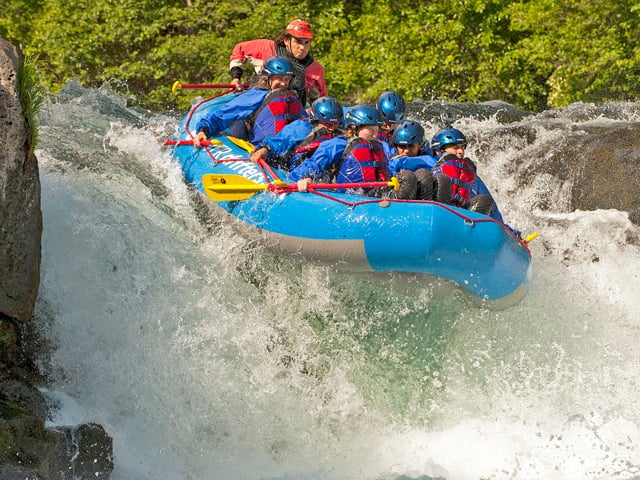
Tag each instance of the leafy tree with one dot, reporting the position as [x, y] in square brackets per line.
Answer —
[533, 54]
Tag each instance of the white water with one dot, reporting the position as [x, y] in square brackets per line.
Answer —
[206, 357]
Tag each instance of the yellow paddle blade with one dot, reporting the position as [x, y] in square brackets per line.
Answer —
[248, 146]
[228, 187]
[531, 237]
[176, 86]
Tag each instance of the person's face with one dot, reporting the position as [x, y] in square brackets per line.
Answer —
[457, 150]
[279, 82]
[389, 127]
[331, 126]
[368, 132]
[299, 47]
[409, 150]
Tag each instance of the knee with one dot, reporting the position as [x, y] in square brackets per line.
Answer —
[408, 184]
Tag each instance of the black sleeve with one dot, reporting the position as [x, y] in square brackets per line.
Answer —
[236, 72]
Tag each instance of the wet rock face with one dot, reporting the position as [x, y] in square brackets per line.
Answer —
[607, 172]
[592, 166]
[93, 457]
[67, 453]
[21, 219]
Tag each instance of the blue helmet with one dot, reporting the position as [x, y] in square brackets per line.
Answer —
[363, 115]
[408, 132]
[450, 136]
[277, 66]
[391, 106]
[327, 109]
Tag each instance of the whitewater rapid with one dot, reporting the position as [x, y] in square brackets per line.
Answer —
[206, 356]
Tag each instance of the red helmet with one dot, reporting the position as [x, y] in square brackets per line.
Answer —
[299, 28]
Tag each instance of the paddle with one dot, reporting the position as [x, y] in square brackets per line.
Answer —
[178, 85]
[190, 142]
[228, 187]
[248, 146]
[238, 141]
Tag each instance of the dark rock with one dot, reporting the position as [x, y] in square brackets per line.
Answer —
[21, 221]
[94, 452]
[13, 472]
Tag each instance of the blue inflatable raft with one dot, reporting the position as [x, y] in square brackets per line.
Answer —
[475, 251]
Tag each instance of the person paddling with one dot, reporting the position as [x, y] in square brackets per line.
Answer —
[357, 157]
[300, 139]
[412, 163]
[449, 146]
[260, 111]
[294, 44]
[393, 110]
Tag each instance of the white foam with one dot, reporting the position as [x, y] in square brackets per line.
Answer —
[64, 410]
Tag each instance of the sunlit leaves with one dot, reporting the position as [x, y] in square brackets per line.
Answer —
[534, 55]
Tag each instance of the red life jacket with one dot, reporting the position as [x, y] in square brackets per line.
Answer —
[462, 173]
[384, 136]
[278, 109]
[363, 161]
[310, 144]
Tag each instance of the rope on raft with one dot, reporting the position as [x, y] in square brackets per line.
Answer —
[271, 176]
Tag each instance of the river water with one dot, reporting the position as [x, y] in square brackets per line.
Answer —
[206, 356]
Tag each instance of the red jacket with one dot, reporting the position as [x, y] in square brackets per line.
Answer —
[257, 51]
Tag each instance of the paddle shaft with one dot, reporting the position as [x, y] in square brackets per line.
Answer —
[190, 142]
[291, 187]
[230, 187]
[209, 85]
[238, 141]
[178, 85]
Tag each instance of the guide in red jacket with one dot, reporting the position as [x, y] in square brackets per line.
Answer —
[294, 43]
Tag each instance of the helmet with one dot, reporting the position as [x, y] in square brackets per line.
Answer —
[277, 66]
[391, 106]
[408, 132]
[326, 109]
[450, 136]
[363, 115]
[299, 28]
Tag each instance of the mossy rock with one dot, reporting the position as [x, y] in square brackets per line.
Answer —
[8, 337]
[9, 410]
[29, 438]
[6, 444]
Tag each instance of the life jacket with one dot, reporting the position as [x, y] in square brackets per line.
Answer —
[384, 136]
[319, 133]
[279, 108]
[363, 161]
[299, 81]
[462, 173]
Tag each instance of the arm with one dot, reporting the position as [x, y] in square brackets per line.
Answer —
[314, 75]
[481, 188]
[328, 153]
[288, 138]
[407, 163]
[237, 109]
[389, 150]
[254, 51]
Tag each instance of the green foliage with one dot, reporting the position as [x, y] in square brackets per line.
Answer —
[32, 93]
[534, 55]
